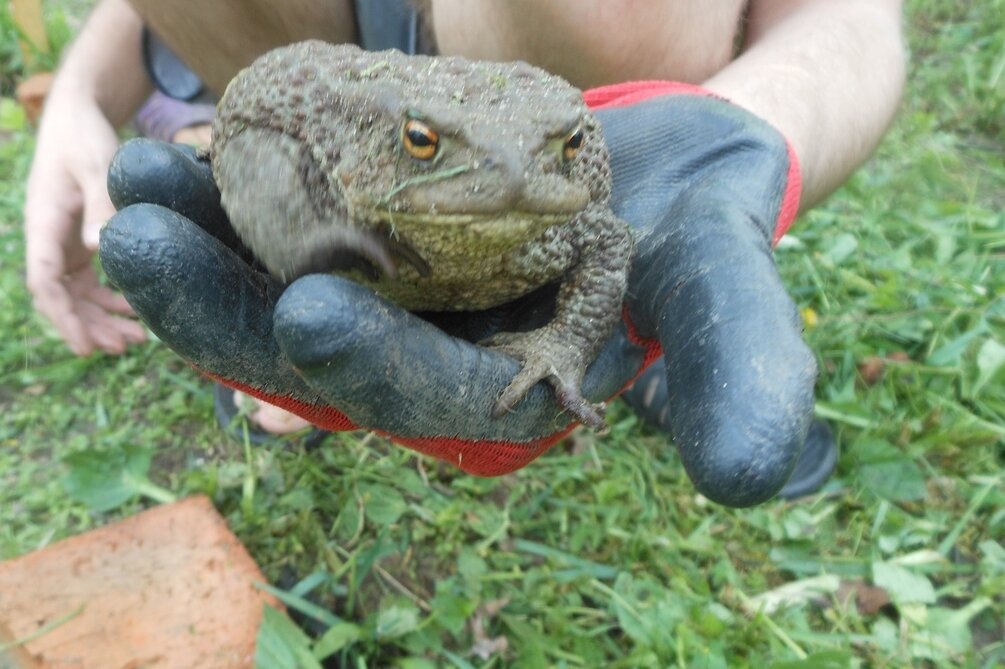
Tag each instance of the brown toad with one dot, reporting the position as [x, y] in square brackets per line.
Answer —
[466, 184]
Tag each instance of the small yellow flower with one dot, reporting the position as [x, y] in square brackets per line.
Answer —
[810, 318]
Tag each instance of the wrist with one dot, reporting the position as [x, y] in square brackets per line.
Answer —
[688, 113]
[103, 68]
[71, 91]
[81, 93]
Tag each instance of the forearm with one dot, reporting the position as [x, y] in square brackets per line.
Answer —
[828, 75]
[219, 37]
[105, 63]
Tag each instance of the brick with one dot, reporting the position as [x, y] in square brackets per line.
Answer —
[168, 588]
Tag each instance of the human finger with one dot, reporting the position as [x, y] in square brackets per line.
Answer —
[45, 273]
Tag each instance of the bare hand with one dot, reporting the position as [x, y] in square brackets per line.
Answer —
[66, 205]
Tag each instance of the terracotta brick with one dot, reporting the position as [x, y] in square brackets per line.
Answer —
[169, 588]
[31, 94]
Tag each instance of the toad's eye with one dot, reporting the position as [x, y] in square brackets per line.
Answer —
[573, 143]
[419, 140]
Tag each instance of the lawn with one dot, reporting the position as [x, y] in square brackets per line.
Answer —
[601, 553]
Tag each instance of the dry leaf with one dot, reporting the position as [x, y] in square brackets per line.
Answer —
[869, 599]
[484, 646]
[871, 369]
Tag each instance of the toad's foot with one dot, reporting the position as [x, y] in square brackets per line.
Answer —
[546, 354]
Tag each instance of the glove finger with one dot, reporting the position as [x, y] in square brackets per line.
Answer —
[173, 176]
[390, 370]
[198, 297]
[740, 378]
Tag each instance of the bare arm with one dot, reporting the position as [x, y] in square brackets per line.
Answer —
[99, 85]
[219, 37]
[828, 75]
[105, 63]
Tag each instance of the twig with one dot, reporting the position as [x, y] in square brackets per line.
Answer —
[43, 630]
[400, 587]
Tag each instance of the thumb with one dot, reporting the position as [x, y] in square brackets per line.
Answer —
[98, 208]
[740, 377]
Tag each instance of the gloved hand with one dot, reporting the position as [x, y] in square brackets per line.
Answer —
[706, 186]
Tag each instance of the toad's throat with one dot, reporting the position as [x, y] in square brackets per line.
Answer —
[491, 221]
[473, 261]
[435, 236]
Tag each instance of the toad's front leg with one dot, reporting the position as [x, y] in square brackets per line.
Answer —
[587, 309]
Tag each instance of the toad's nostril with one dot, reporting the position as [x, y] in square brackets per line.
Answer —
[509, 171]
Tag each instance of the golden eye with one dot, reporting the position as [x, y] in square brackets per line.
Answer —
[419, 139]
[573, 142]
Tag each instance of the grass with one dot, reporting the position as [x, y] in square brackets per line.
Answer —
[601, 553]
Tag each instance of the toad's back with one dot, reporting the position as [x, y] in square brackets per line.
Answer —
[490, 215]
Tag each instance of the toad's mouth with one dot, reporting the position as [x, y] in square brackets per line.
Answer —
[436, 233]
[520, 220]
[437, 240]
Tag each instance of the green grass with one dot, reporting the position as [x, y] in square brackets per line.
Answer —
[601, 553]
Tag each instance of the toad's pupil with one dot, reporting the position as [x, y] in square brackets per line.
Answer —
[420, 137]
[575, 140]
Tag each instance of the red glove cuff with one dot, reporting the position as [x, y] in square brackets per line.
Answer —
[634, 92]
[481, 458]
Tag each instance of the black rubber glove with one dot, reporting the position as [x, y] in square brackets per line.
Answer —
[705, 185]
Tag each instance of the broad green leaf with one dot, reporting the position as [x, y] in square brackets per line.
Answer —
[994, 556]
[336, 638]
[840, 248]
[487, 519]
[646, 611]
[708, 656]
[885, 634]
[106, 478]
[397, 620]
[990, 359]
[472, 568]
[531, 645]
[903, 585]
[896, 480]
[452, 609]
[947, 632]
[888, 472]
[382, 503]
[875, 450]
[281, 644]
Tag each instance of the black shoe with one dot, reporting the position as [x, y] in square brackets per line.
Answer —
[231, 421]
[815, 465]
[648, 398]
